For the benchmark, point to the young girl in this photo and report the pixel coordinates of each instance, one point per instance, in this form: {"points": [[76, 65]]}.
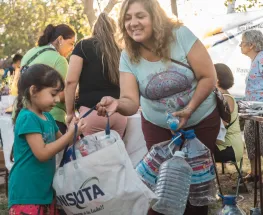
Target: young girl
{"points": [[37, 141]]}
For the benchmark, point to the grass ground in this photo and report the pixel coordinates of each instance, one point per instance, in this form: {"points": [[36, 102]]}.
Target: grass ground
{"points": [[3, 201]]}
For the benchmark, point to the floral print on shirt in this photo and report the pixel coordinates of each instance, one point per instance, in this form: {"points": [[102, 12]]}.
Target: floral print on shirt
{"points": [[254, 82]]}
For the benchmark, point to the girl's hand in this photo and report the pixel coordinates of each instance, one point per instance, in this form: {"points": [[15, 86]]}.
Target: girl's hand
{"points": [[81, 126], [71, 127], [183, 115], [80, 123], [69, 118], [107, 105]]}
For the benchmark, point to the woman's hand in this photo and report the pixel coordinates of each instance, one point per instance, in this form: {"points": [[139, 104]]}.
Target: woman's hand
{"points": [[183, 116], [107, 105]]}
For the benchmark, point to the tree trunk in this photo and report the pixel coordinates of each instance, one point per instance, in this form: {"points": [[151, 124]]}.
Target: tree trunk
{"points": [[89, 11], [110, 5], [231, 6], [174, 7]]}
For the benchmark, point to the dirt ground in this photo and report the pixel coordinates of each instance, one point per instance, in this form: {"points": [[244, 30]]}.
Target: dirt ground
{"points": [[228, 180], [245, 200]]}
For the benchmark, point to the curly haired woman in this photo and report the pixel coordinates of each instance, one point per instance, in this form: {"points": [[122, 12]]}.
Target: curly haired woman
{"points": [[149, 76]]}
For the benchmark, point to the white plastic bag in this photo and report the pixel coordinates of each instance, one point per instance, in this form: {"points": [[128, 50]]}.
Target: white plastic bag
{"points": [[102, 183], [222, 132]]}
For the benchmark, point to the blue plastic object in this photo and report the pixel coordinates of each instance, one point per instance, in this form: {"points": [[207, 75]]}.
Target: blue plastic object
{"points": [[172, 121], [177, 141], [229, 200], [190, 134], [230, 206]]}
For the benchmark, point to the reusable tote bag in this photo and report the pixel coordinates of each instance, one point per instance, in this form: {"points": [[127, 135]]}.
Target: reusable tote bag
{"points": [[102, 183]]}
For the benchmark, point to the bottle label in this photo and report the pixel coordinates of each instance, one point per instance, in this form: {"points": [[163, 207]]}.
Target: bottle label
{"points": [[148, 168], [146, 174], [203, 171], [153, 152], [154, 165]]}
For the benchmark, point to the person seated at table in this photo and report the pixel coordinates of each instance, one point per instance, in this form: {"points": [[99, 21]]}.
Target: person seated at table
{"points": [[94, 65], [232, 148]]}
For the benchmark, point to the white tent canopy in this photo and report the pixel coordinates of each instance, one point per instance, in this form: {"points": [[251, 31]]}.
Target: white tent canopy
{"points": [[222, 36]]}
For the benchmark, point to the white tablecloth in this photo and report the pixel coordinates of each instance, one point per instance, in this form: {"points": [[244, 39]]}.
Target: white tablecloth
{"points": [[7, 133], [134, 139]]}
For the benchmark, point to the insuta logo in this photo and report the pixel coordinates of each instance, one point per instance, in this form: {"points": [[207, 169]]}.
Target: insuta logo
{"points": [[88, 191]]}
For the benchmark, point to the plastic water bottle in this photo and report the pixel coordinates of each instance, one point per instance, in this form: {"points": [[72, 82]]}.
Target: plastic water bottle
{"points": [[203, 184], [106, 140], [230, 207], [172, 121], [255, 211], [173, 185], [148, 167]]}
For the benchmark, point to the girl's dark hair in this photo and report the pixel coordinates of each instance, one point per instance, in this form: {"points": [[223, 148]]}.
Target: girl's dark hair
{"points": [[39, 75], [224, 76], [51, 33]]}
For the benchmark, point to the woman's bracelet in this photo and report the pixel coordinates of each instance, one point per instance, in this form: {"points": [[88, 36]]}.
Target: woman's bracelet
{"points": [[189, 109]]}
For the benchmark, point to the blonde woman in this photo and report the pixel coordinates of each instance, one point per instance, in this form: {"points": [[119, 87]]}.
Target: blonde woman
{"points": [[94, 66], [150, 78]]}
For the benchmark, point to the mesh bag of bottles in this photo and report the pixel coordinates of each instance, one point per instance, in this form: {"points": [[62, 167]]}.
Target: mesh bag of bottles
{"points": [[148, 167]]}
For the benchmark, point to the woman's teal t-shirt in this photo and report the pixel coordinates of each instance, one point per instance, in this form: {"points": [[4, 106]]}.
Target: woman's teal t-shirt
{"points": [[30, 181], [167, 86]]}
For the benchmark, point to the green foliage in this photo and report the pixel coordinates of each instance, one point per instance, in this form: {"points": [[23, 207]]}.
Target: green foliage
{"points": [[248, 5], [22, 21]]}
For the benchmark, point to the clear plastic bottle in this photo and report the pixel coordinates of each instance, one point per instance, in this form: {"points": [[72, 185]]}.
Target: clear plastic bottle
{"points": [[230, 207], [203, 183], [172, 121], [148, 167], [173, 185], [68, 156], [256, 211], [106, 140]]}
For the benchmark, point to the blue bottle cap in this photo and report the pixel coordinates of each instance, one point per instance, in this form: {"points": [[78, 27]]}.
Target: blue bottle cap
{"points": [[177, 141], [190, 134], [173, 126], [229, 200]]}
